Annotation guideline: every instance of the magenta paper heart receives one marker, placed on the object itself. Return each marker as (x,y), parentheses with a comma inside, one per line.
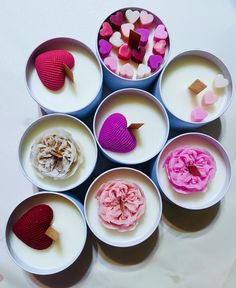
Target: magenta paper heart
(115,136)
(144,35)
(104,48)
(116,19)
(137,55)
(50,67)
(154,62)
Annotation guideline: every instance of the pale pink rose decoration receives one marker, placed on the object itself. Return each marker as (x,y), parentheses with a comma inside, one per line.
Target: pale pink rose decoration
(189,169)
(120,204)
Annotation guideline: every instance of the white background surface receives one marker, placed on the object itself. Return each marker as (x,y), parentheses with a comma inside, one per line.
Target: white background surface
(190,249)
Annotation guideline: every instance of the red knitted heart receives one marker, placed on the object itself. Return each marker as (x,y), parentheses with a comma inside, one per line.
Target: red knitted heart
(50,67)
(30,228)
(115,136)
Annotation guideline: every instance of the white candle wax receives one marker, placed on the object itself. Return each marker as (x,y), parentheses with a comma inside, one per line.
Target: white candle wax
(179,75)
(137,107)
(216,187)
(72,96)
(72,236)
(148,221)
(81,135)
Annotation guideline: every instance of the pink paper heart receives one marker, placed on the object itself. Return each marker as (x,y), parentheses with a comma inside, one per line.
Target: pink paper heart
(125,29)
(126,71)
(50,67)
(124,52)
(104,48)
(145,18)
(154,62)
(198,114)
(106,30)
(144,35)
(137,55)
(116,19)
(160,33)
(111,63)
(159,47)
(115,136)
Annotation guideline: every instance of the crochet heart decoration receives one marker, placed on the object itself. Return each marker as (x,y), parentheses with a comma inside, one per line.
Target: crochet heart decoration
(30,228)
(115,136)
(52,67)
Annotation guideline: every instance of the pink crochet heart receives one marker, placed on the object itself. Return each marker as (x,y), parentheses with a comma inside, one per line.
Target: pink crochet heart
(115,136)
(50,67)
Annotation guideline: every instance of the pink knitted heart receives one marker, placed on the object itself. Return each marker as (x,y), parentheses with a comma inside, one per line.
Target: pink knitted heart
(115,136)
(50,67)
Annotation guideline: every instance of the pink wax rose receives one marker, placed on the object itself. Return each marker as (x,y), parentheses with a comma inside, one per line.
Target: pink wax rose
(189,169)
(120,204)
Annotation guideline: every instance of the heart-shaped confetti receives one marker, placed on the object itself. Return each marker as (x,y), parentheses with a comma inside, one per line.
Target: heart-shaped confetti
(126,71)
(146,18)
(30,228)
(144,35)
(50,66)
(106,30)
(198,114)
(209,98)
(154,62)
(220,81)
(132,16)
(124,52)
(116,20)
(104,48)
(137,55)
(125,29)
(111,63)
(116,40)
(159,47)
(115,136)
(143,71)
(160,33)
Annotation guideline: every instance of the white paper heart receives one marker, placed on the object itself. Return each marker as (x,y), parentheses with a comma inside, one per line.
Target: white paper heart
(116,40)
(132,16)
(220,81)
(143,71)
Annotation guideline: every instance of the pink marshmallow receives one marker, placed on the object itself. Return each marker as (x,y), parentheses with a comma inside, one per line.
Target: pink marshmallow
(198,114)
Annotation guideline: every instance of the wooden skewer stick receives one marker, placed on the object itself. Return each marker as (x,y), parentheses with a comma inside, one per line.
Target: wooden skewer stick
(68,72)
(135,125)
(52,233)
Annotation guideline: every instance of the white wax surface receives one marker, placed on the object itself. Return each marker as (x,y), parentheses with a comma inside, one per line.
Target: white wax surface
(148,221)
(148,47)
(137,109)
(179,75)
(72,96)
(81,136)
(72,235)
(214,188)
